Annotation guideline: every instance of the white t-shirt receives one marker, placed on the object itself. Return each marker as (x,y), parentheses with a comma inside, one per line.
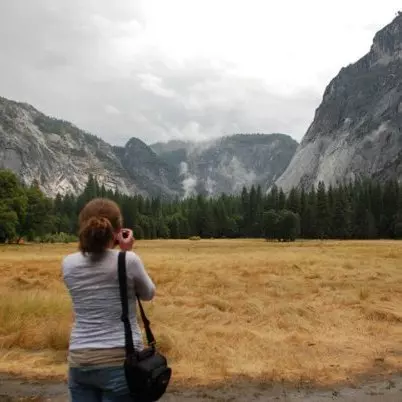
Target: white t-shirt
(94,289)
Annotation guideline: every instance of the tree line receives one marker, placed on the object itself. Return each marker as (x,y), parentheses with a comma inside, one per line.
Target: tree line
(363,209)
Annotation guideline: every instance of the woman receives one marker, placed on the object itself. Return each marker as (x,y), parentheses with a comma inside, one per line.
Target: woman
(96,351)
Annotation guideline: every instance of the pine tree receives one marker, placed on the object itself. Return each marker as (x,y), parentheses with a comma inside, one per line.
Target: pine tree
(184,227)
(205,218)
(341,224)
(390,208)
(398,218)
(162,229)
(322,212)
(359,215)
(251,223)
(221,218)
(174,227)
(281,200)
(293,203)
(258,226)
(303,213)
(245,212)
(331,209)
(376,204)
(271,201)
(309,221)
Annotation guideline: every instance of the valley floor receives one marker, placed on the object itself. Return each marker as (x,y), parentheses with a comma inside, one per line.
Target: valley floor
(305,313)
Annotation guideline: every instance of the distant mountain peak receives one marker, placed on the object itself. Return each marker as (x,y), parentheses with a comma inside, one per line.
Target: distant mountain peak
(228,163)
(356,131)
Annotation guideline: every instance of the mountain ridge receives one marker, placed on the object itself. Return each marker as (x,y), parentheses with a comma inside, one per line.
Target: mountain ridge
(61,156)
(357,129)
(229,162)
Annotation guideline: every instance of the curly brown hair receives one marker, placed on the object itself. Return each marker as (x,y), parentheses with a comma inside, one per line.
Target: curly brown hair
(99,220)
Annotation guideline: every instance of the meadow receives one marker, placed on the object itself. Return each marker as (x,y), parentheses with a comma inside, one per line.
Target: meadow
(313,311)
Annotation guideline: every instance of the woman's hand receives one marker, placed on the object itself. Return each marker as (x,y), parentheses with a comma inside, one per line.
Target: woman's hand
(126,239)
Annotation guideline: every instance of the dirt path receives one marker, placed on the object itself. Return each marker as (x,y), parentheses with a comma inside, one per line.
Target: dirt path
(387,390)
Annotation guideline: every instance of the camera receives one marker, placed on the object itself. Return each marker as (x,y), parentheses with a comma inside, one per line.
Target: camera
(125,234)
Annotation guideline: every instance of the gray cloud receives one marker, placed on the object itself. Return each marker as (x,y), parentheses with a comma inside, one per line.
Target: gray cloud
(79,60)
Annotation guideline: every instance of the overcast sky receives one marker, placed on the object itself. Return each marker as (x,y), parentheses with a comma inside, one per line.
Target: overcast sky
(190,69)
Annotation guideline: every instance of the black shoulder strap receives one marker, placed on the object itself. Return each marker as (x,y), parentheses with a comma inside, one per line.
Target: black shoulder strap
(124,303)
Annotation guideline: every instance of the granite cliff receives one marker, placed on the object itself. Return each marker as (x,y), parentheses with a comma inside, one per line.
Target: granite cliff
(226,164)
(357,129)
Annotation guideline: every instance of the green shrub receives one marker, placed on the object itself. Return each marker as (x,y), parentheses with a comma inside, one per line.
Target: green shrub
(57,238)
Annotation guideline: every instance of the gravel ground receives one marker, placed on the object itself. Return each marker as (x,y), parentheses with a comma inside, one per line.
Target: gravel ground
(386,390)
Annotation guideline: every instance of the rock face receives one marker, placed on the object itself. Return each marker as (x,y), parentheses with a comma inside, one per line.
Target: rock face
(357,129)
(229,163)
(61,157)
(149,171)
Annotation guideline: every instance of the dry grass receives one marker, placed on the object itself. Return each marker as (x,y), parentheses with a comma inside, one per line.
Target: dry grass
(308,310)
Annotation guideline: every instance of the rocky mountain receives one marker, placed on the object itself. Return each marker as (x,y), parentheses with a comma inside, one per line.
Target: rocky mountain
(229,163)
(357,129)
(61,157)
(147,170)
(171,146)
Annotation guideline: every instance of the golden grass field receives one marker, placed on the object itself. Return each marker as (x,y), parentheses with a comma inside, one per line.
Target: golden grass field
(319,311)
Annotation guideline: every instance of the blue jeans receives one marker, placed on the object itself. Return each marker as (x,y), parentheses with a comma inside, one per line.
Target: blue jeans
(92,384)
